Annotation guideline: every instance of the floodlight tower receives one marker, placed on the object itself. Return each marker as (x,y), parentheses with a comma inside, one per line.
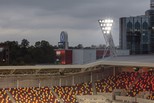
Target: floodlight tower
(106,26)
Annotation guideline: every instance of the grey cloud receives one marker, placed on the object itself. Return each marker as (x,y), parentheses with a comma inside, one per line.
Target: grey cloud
(54,16)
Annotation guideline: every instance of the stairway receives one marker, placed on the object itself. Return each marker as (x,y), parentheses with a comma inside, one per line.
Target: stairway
(56,95)
(11,98)
(94,88)
(138,77)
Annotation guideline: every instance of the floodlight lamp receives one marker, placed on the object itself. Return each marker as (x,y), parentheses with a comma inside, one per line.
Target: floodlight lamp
(108,28)
(107,32)
(100,21)
(104,32)
(110,21)
(106,21)
(108,24)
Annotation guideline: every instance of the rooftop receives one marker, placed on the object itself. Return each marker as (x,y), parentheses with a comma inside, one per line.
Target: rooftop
(55,70)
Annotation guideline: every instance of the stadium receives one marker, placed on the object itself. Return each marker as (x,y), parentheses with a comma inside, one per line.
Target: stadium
(113,80)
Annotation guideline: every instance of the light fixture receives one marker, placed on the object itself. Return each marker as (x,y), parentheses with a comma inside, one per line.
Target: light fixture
(106,25)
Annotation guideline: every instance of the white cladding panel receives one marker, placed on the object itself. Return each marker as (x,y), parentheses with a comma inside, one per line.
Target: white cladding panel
(89,56)
(123,52)
(83,56)
(77,56)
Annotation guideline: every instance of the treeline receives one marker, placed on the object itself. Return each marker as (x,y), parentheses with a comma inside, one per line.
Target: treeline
(25,54)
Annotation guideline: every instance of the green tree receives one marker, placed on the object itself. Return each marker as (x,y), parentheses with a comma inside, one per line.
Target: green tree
(44,52)
(24,43)
(41,53)
(37,44)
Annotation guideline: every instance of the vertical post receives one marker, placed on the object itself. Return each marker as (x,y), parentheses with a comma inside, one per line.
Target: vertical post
(60,82)
(114,71)
(39,83)
(73,80)
(91,79)
(66,83)
(17,83)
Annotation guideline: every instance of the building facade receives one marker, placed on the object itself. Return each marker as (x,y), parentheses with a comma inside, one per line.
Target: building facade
(137,33)
(83,56)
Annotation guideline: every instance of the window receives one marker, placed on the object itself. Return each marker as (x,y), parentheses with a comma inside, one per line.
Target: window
(129,25)
(145,25)
(137,25)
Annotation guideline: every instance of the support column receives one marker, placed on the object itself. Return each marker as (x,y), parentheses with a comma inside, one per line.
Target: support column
(91,77)
(60,82)
(114,71)
(17,83)
(73,80)
(39,84)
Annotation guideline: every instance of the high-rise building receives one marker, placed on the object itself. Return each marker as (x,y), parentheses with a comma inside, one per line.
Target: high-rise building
(137,32)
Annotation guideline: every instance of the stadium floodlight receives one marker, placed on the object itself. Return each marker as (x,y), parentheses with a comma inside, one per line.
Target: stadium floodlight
(106,27)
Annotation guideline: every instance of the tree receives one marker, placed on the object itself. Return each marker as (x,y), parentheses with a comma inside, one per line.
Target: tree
(44,44)
(79,46)
(24,43)
(38,44)
(44,52)
(23,54)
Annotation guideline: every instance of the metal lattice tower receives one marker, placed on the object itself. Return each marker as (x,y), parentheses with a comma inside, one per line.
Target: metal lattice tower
(106,25)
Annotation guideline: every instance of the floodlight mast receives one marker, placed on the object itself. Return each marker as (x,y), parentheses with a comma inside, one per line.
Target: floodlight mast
(106,25)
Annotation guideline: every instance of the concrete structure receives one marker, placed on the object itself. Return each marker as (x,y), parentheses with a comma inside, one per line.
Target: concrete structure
(49,75)
(137,34)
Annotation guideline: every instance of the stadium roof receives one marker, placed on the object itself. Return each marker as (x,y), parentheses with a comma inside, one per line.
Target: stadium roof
(55,70)
(132,60)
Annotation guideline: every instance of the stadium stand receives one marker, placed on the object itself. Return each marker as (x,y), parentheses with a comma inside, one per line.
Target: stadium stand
(68,93)
(33,95)
(121,81)
(4,98)
(137,85)
(133,82)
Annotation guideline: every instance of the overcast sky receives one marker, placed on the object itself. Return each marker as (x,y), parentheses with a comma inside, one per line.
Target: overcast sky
(37,20)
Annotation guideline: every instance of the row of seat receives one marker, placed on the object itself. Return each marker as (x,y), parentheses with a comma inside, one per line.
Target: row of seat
(68,93)
(33,95)
(4,98)
(132,82)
